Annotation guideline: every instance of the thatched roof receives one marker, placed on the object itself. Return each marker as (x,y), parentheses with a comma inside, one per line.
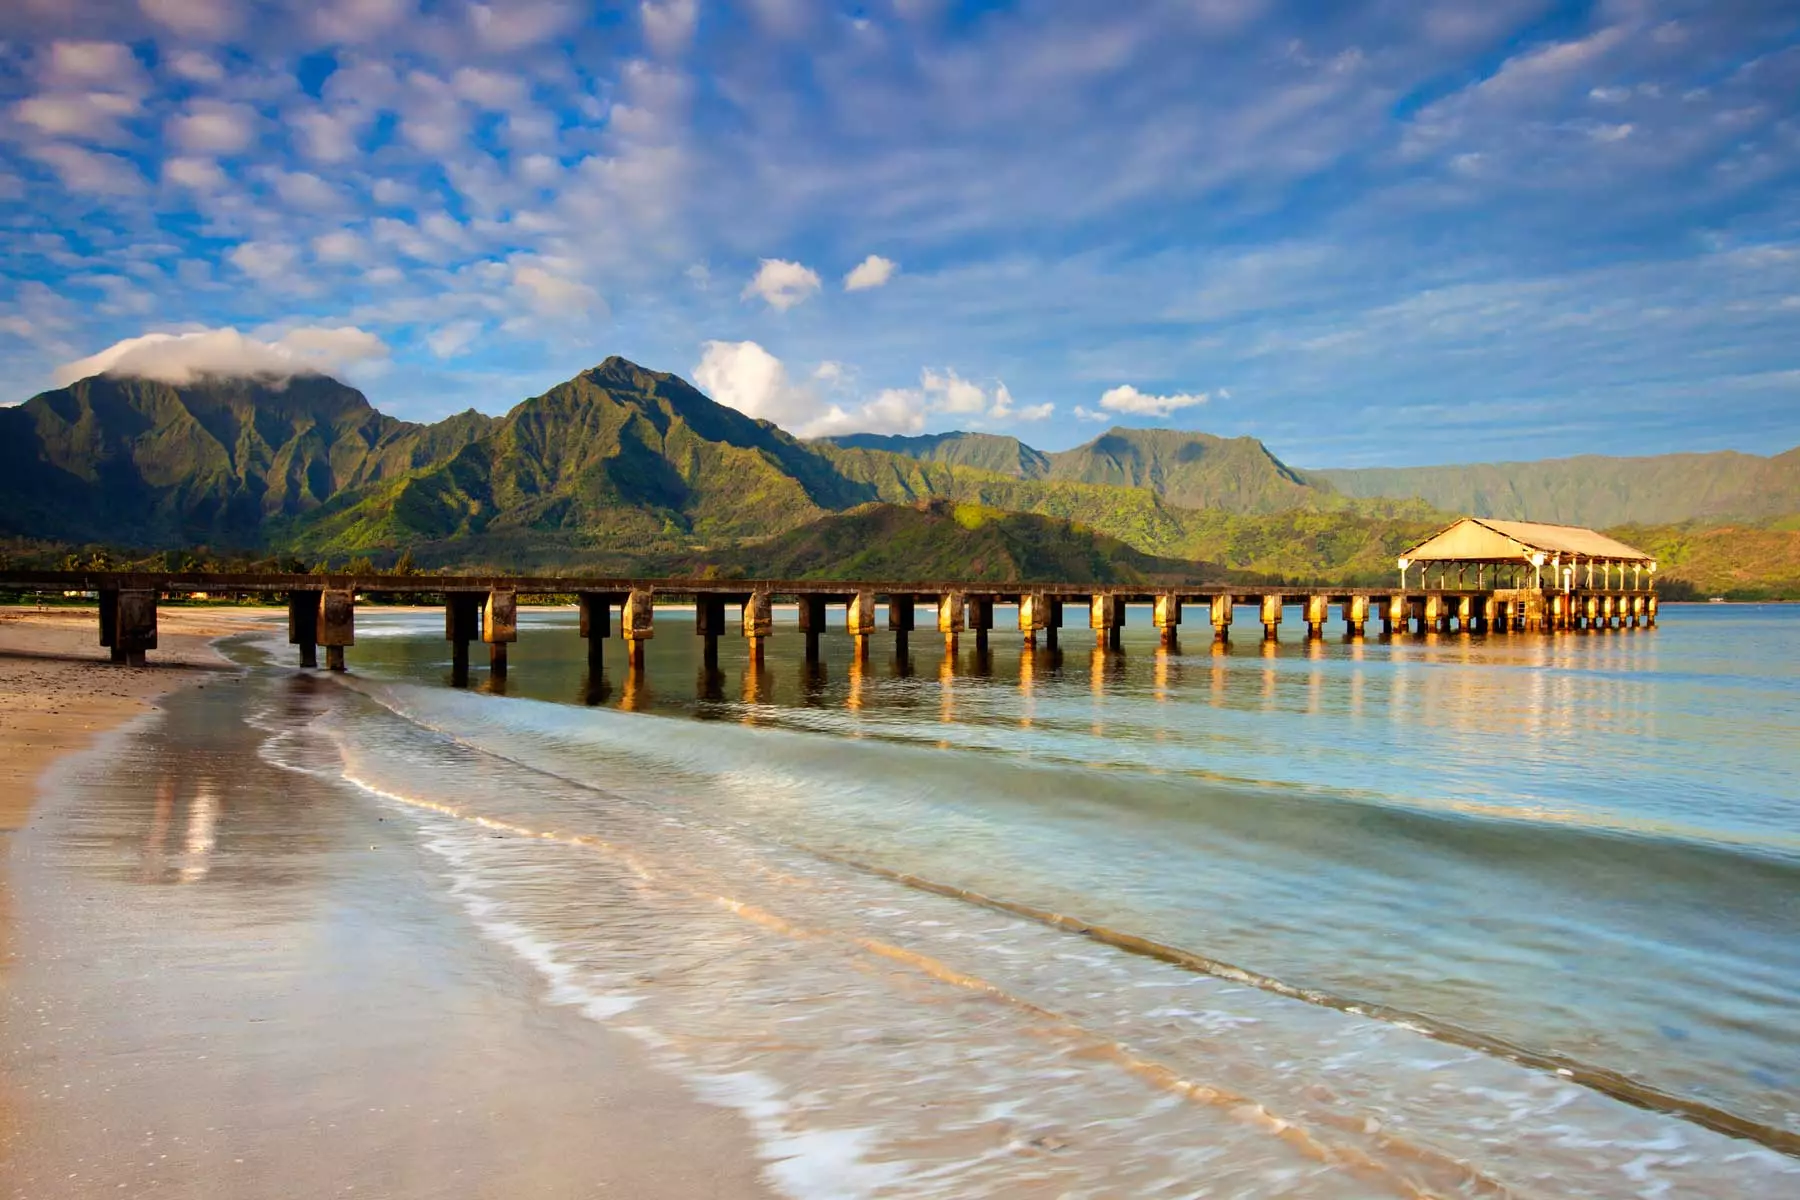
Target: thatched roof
(1478,539)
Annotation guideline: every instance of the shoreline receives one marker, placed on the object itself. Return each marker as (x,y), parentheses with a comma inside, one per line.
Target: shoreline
(211,969)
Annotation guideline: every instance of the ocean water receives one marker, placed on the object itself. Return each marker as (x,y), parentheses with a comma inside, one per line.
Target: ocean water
(1442,915)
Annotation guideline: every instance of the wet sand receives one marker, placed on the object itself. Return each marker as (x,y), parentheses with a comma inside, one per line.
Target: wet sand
(223,980)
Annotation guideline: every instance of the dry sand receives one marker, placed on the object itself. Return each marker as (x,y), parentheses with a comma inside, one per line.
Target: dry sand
(219,980)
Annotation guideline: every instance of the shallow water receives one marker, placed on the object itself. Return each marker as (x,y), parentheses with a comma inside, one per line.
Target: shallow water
(1583,849)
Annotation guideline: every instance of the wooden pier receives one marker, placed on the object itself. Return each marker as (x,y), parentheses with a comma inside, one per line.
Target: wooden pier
(322,609)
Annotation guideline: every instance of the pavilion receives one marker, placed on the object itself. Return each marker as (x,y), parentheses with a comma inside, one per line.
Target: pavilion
(1568,554)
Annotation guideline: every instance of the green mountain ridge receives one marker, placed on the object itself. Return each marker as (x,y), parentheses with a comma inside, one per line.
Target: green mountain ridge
(1199,470)
(1189,470)
(626,470)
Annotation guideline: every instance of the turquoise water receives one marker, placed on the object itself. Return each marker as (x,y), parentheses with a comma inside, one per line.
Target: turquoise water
(1582,851)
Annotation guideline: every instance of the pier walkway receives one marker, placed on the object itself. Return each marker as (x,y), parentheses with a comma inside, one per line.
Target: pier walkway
(484,608)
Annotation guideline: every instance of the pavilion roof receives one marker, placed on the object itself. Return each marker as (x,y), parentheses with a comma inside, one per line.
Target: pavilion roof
(1481,539)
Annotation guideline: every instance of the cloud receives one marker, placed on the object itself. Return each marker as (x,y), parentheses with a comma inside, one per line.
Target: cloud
(263,261)
(1127,399)
(327,137)
(871,272)
(207,20)
(553,294)
(90,171)
(196,174)
(338,246)
(669,25)
(303,189)
(951,393)
(107,64)
(453,339)
(782,284)
(213,127)
(354,21)
(196,67)
(181,358)
(92,116)
(744,376)
(519,23)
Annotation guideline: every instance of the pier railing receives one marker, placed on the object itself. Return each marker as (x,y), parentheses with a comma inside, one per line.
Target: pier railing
(484,608)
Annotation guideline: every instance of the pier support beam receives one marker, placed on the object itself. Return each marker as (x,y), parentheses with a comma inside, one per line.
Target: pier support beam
(1465,614)
(1106,617)
(637,621)
(134,628)
(109,623)
(303,625)
(1393,616)
(1221,618)
(1437,616)
(1355,611)
(500,626)
(709,624)
(759,623)
(950,618)
(901,618)
(1032,607)
(337,625)
(1650,610)
(979,616)
(812,624)
(1053,618)
(596,625)
(1271,618)
(859,619)
(462,625)
(1317,607)
(1165,614)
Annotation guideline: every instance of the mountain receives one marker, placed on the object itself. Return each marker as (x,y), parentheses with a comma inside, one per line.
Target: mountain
(981,451)
(1189,470)
(944,540)
(1594,490)
(135,461)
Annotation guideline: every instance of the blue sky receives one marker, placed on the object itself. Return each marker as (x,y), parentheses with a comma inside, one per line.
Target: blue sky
(1367,233)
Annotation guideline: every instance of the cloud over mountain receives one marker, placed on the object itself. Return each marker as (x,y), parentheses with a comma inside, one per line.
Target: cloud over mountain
(181,358)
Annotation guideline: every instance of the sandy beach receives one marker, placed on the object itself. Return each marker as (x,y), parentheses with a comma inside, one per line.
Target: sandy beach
(217,982)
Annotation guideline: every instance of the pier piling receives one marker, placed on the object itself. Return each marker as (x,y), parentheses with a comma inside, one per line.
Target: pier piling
(812,624)
(303,626)
(337,625)
(950,618)
(500,626)
(637,621)
(759,623)
(1271,617)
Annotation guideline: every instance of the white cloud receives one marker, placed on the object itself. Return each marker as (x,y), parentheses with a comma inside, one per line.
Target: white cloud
(263,260)
(90,171)
(353,21)
(453,339)
(669,25)
(553,294)
(303,189)
(208,20)
(90,115)
(952,393)
(107,64)
(490,89)
(871,272)
(1088,414)
(181,358)
(326,136)
(338,246)
(1127,399)
(782,284)
(520,23)
(744,376)
(213,127)
(198,174)
(197,67)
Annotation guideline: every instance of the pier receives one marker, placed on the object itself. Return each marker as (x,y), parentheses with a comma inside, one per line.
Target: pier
(484,609)
(1526,578)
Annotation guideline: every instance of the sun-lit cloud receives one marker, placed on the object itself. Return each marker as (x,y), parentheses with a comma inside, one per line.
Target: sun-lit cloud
(184,357)
(782,284)
(872,272)
(1127,399)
